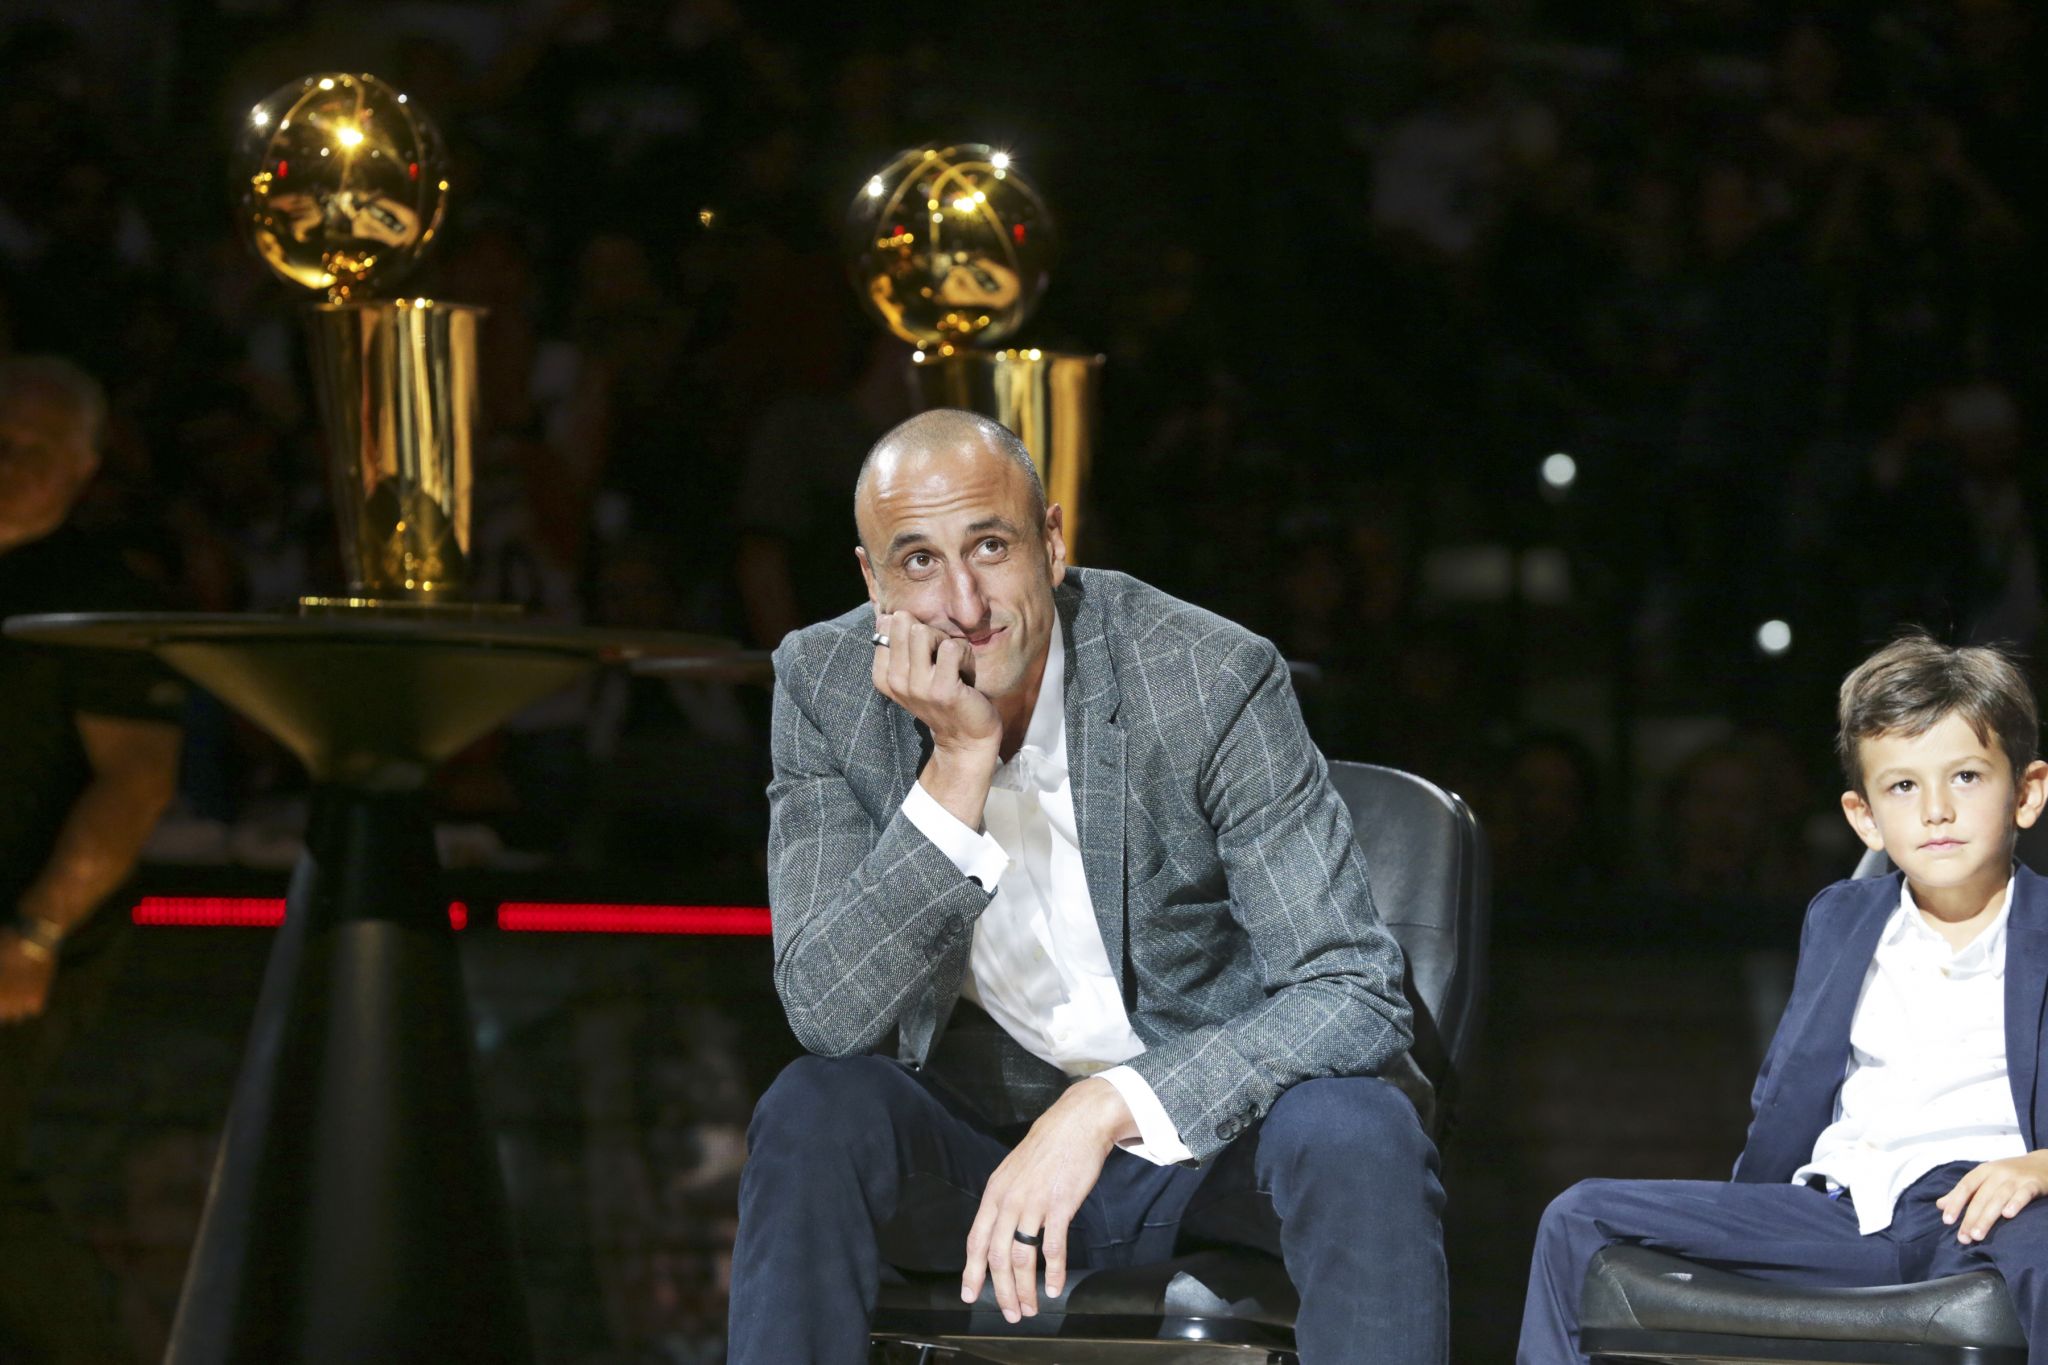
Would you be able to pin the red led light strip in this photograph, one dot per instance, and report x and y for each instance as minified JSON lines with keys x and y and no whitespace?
{"x":544,"y":917}
{"x":190,"y":912}
{"x":535,"y":917}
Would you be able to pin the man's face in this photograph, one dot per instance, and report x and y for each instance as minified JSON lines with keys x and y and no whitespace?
{"x":951,"y":537}
{"x":46,"y":455}
{"x":1944,"y":804}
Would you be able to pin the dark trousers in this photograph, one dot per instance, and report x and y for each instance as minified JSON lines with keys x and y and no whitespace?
{"x":56,"y":1300}
{"x":1787,"y":1233}
{"x":1339,"y":1181}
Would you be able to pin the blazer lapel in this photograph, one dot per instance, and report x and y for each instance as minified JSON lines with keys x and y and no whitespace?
{"x":2026,"y":983}
{"x":1095,"y":764}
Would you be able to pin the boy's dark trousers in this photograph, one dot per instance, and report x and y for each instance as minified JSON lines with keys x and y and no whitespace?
{"x":1789,"y":1233}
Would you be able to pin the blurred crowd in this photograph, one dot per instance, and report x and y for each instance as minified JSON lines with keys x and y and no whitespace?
{"x":1511,"y":365}
{"x":1768,"y":278}
{"x":1762,"y":277}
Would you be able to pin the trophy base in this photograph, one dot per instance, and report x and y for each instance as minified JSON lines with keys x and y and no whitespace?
{"x":414,"y":607}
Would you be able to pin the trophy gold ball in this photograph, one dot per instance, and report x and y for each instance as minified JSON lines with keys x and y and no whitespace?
{"x":950,"y":246}
{"x":341,"y":186}
{"x":342,"y":183}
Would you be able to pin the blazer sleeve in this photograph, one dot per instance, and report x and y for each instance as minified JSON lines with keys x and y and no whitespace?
{"x":1329,"y":968}
{"x":871,"y":923}
{"x":1760,"y":1144}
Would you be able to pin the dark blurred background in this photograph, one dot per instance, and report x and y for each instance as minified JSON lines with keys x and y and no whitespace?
{"x":1575,"y":389}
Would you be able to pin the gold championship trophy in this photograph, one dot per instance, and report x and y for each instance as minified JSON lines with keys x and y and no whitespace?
{"x":343,"y":184}
{"x":950,"y":248}
{"x":356,"y":1210}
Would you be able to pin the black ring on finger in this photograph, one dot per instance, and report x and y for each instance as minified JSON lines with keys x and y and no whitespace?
{"x":1030,"y":1239}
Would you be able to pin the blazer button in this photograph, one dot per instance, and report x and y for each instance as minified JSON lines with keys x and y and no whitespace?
{"x":1226,"y":1131}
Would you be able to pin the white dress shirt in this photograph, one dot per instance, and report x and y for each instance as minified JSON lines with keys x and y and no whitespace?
{"x":1927,"y":1082}
{"x":1037,"y":964}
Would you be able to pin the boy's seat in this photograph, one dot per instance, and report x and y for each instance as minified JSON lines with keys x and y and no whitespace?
{"x":1643,"y":1305}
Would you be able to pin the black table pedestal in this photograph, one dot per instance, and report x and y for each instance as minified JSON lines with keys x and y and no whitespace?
{"x":356,"y":1213}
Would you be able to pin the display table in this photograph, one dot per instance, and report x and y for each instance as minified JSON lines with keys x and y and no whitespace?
{"x":755,"y":666}
{"x":357,"y":1212}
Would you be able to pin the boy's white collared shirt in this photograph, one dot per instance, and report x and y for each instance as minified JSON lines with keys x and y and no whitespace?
{"x":1038,"y":965}
{"x":1927,"y":1082}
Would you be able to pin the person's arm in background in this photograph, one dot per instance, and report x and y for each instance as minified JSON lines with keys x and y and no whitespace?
{"x":134,"y":776}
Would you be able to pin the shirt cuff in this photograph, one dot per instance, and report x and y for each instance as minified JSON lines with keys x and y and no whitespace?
{"x":974,"y":852}
{"x":1158,"y":1140}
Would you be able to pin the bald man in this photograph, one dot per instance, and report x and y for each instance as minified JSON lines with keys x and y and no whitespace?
{"x":1071,"y":920}
{"x":88,"y":761}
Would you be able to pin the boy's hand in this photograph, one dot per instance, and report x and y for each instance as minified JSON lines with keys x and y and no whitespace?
{"x":1994,"y":1190}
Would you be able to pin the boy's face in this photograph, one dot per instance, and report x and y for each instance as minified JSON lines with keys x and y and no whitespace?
{"x":1944,"y":804}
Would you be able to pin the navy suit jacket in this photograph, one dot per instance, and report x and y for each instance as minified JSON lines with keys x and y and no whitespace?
{"x":1795,"y":1092}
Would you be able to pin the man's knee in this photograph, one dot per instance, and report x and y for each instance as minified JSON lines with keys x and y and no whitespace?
{"x":822,"y":1100}
{"x":1359,"y":1124}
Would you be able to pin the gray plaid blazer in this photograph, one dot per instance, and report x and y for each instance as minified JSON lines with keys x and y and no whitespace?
{"x":1219,"y":860}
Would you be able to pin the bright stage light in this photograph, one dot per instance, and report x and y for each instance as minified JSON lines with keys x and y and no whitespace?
{"x":1560,"y":471}
{"x":1774,"y":637}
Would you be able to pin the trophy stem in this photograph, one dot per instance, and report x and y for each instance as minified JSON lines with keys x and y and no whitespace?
{"x":397,"y":387}
{"x":1047,"y":398}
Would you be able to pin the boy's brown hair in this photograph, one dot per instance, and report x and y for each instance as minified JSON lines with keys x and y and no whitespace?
{"x":1911,"y":684}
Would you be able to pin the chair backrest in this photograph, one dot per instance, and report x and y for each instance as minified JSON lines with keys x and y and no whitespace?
{"x":1426,"y":858}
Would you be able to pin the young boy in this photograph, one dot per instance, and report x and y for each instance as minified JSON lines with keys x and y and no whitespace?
{"x":1894,"y":1137}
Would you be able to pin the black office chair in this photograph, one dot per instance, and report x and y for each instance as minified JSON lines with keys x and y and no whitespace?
{"x":1427,"y":860}
{"x":1641,"y":1305}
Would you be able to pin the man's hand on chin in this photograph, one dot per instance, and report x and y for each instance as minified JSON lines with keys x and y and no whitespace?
{"x":1037,"y":1190}
{"x":927,"y":673}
